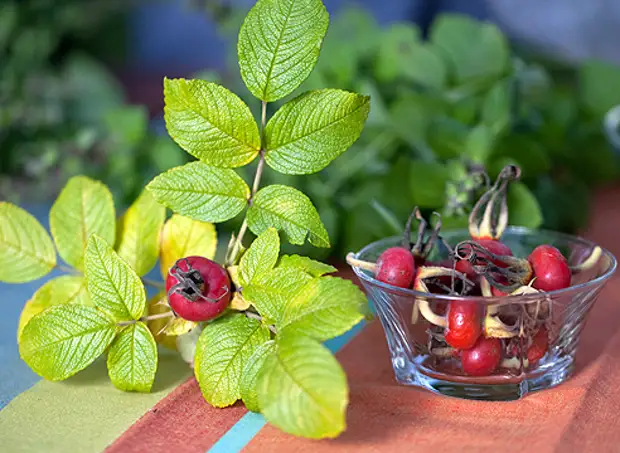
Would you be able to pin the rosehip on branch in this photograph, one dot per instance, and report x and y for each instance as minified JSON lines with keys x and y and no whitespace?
{"x":198,"y":288}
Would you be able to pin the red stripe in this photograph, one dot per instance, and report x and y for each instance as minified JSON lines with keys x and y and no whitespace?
{"x":182,"y":422}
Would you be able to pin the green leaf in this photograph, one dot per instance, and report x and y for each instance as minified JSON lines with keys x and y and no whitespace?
{"x":68,"y":289}
{"x":65,"y":339}
{"x":112,"y":284}
{"x":210,"y":122}
{"x":127,"y":125}
{"x":261,"y":257}
{"x":249,"y":375}
{"x":523,"y":208}
{"x":327,"y":123}
{"x":132,"y":360}
{"x":324,"y":308}
{"x":26,"y":250}
{"x":479,"y":144}
{"x":475,"y":49}
{"x":202,"y":192}
{"x":271,"y":291}
{"x":139,"y":237}
{"x":314,"y":268}
{"x":83,"y":208}
{"x":427,"y":181}
{"x":302,"y":389}
{"x":496,"y":107}
{"x":183,"y":237}
{"x":289,"y":210}
{"x":279,"y":44}
{"x":223,"y":349}
{"x":395,"y":51}
{"x":599,"y":86}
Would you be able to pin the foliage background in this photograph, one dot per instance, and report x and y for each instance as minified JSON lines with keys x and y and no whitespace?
{"x":447,"y":101}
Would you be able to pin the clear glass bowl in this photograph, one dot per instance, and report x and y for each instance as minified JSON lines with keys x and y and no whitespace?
{"x":420,"y":358}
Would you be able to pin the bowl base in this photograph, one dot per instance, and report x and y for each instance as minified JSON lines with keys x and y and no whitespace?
{"x":551,"y":375}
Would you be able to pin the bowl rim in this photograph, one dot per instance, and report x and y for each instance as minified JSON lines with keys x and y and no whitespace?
{"x":579,"y":288}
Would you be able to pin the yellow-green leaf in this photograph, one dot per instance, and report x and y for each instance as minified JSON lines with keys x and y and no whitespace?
{"x":261,"y":257}
{"x":223,"y":349}
{"x":249,"y":375}
{"x":65,"y":339}
{"x":308,"y":265}
{"x":271,"y":291}
{"x":26,"y":250}
{"x":132,"y":360}
{"x":140,"y":233}
{"x":183,"y":237}
{"x":202,"y":192}
{"x":327,"y":122}
{"x":324,"y":308}
{"x":279,"y":44}
{"x":302,"y":389}
{"x":67,"y":289}
{"x":289,"y":210}
{"x":210,"y":122}
{"x":113,"y":285}
{"x":83,"y":208}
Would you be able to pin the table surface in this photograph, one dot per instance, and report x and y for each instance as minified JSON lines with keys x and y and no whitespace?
{"x":86,"y":414}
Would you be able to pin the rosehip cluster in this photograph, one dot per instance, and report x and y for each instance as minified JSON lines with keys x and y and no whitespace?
{"x":485,"y":337}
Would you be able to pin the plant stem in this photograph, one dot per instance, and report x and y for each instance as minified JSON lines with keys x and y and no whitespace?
{"x":67,"y":269}
{"x":167,"y":314}
{"x":153,"y":283}
{"x":252,"y":315}
{"x":232,"y":253}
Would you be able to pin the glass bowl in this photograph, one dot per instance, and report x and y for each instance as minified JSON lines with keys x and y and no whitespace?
{"x":421,"y":358}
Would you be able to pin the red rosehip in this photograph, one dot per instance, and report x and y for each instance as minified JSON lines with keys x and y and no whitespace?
{"x":550,"y":268}
{"x":495,"y":247}
{"x":465,"y":267}
{"x":483,"y":358}
{"x":396,"y":266}
{"x":198,"y":288}
{"x":464,"y":324}
{"x":539,"y":346}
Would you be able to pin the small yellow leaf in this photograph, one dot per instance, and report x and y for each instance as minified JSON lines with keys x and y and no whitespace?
{"x":233,"y":273}
{"x":158,"y":304}
{"x":183,"y":237}
{"x":178,"y":326}
{"x":239,"y":303}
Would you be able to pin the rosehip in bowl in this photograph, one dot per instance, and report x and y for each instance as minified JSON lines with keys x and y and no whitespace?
{"x":396,"y":266}
{"x":539,"y":346}
{"x":483,"y":358}
{"x":198,"y":288}
{"x":464,"y":324}
{"x":550,"y":268}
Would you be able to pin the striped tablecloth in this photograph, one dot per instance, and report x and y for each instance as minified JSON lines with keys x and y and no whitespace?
{"x":86,"y":414}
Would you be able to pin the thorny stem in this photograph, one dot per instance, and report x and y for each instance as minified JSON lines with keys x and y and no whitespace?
{"x":167,"y":314}
{"x":233,"y":251}
{"x":146,"y":281}
{"x":252,"y":315}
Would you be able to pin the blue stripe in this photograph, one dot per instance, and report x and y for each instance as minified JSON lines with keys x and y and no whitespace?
{"x":242,"y":432}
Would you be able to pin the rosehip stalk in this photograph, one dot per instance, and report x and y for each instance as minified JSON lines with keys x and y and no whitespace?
{"x":489,"y":217}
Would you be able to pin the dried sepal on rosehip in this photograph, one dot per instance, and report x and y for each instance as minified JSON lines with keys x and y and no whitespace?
{"x":489,"y":217}
{"x":398,"y":265}
{"x":198,"y":289}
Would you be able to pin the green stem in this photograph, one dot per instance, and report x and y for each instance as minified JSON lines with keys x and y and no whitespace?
{"x":168,"y":314}
{"x":232,"y":253}
{"x":153,"y":283}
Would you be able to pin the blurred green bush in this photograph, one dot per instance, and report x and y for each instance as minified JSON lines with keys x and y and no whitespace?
{"x":445,"y":108}
{"x":61,"y":111}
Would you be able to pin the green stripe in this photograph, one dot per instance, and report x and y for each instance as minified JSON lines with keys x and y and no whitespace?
{"x":82,"y":414}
